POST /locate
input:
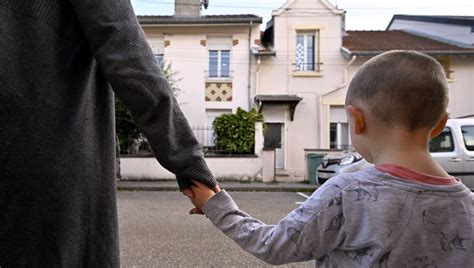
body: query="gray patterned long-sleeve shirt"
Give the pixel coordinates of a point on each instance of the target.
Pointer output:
(365, 219)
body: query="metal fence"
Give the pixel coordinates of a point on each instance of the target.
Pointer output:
(205, 136)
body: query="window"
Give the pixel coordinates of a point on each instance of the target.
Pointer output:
(339, 136)
(160, 58)
(157, 44)
(307, 56)
(219, 63)
(339, 128)
(468, 135)
(442, 143)
(446, 63)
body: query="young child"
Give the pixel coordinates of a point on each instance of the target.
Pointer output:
(404, 212)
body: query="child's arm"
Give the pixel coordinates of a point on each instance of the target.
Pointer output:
(307, 233)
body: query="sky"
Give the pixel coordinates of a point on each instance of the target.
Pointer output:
(361, 14)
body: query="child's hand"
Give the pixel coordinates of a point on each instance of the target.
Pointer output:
(200, 195)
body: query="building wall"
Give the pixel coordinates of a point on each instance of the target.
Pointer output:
(457, 33)
(461, 87)
(186, 48)
(277, 76)
(222, 168)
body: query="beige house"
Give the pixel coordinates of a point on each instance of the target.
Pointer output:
(458, 62)
(211, 55)
(308, 60)
(300, 65)
(454, 30)
(296, 72)
(214, 64)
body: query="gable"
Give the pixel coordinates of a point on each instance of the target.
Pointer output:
(316, 6)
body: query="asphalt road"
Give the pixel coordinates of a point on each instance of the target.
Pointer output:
(156, 230)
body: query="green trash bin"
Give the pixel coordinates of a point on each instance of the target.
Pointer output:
(313, 161)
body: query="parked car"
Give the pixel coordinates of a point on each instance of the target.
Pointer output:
(453, 149)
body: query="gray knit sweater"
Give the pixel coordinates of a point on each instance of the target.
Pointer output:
(59, 60)
(365, 219)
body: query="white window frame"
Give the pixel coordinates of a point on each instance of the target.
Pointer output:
(219, 64)
(316, 53)
(157, 44)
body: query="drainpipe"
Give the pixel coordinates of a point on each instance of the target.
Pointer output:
(320, 97)
(249, 86)
(257, 75)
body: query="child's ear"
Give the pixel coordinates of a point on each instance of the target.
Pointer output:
(358, 119)
(439, 126)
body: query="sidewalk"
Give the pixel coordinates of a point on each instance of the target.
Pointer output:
(171, 185)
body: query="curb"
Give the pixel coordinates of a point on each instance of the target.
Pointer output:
(233, 187)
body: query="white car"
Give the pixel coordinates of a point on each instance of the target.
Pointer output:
(453, 149)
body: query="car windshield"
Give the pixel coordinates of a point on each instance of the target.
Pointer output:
(468, 135)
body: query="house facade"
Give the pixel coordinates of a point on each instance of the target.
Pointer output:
(211, 58)
(300, 64)
(296, 72)
(302, 83)
(457, 31)
(458, 62)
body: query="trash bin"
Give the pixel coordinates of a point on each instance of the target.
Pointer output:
(313, 161)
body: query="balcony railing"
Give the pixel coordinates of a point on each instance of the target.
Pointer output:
(305, 67)
(219, 74)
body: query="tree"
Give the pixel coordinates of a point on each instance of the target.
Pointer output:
(126, 129)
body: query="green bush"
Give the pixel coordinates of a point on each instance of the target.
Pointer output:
(235, 133)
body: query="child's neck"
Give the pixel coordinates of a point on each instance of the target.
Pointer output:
(406, 149)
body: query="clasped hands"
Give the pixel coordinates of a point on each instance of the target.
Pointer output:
(199, 194)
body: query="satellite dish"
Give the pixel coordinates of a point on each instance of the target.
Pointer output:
(205, 3)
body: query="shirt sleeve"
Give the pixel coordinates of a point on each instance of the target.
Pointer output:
(307, 233)
(123, 54)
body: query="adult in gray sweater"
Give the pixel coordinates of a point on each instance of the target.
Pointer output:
(60, 61)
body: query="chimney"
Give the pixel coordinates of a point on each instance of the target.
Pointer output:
(187, 8)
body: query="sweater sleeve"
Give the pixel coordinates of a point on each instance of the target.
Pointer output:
(307, 233)
(123, 54)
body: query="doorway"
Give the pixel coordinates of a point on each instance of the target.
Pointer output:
(274, 138)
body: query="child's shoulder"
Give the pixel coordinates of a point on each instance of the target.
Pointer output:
(345, 180)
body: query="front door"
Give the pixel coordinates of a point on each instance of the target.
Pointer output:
(274, 138)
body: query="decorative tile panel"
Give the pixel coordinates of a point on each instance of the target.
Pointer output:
(219, 91)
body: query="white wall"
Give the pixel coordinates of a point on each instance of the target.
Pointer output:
(191, 60)
(221, 168)
(461, 87)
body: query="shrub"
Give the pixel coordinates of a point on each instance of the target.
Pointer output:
(235, 133)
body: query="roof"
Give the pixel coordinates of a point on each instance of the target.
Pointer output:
(376, 42)
(278, 98)
(290, 100)
(211, 19)
(456, 20)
